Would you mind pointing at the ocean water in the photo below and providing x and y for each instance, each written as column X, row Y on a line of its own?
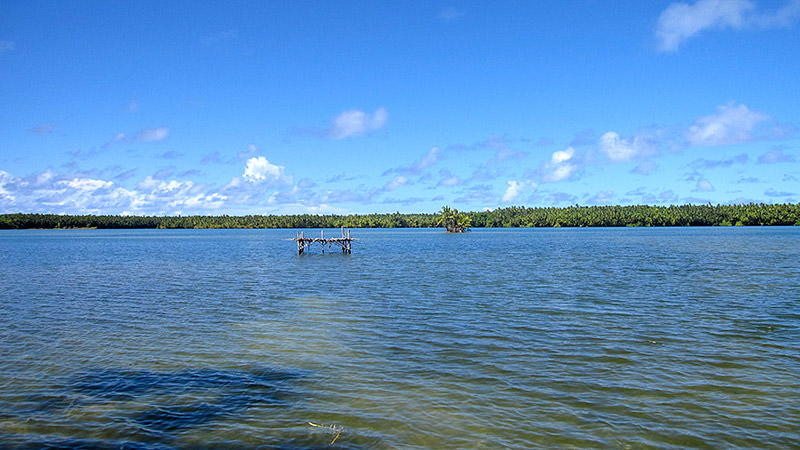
column 634, row 337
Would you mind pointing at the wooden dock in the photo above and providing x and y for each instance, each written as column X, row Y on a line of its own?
column 345, row 242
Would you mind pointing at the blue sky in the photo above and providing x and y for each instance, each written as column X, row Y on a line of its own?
column 151, row 107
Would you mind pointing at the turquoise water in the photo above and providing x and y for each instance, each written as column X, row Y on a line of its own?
column 671, row 337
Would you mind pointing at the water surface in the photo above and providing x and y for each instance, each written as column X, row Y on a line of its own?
column 670, row 337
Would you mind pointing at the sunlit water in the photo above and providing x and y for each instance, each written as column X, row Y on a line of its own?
column 496, row 338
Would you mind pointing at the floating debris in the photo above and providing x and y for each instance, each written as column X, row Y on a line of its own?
column 333, row 428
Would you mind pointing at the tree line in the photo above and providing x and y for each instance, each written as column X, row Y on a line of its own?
column 752, row 214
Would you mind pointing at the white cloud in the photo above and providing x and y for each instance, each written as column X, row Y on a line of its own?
column 356, row 123
column 86, row 184
column 645, row 167
column 152, row 134
column 703, row 185
column 732, row 124
column 601, row 198
column 447, row 179
column 515, row 188
column 58, row 193
column 619, row 150
column 259, row 169
column 42, row 128
column 396, row 183
column 775, row 156
column 780, row 18
column 428, row 159
column 681, row 21
column 6, row 199
column 560, row 167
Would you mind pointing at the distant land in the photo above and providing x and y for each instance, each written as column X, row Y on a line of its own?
column 753, row 214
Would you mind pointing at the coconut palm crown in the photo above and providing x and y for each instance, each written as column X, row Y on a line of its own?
column 453, row 221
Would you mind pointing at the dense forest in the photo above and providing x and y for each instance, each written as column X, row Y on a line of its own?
column 516, row 216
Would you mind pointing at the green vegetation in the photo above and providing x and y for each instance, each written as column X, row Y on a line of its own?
column 453, row 221
column 573, row 216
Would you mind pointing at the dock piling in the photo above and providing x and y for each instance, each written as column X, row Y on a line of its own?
column 345, row 242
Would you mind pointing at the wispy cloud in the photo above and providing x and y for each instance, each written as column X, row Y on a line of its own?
column 171, row 154
column 395, row 183
column 146, row 135
column 703, row 185
column 450, row 14
column 152, row 134
column 447, row 179
column 356, row 123
column 601, row 198
column 428, row 159
column 42, row 128
column 645, row 167
column 732, row 124
column 775, row 193
column 702, row 163
column 681, row 21
column 776, row 156
column 584, row 137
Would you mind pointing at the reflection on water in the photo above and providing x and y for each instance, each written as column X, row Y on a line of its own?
column 499, row 338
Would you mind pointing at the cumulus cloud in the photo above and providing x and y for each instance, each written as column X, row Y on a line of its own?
column 732, row 124
column 446, row 178
column 618, row 149
column 515, row 188
column 159, row 194
column 6, row 198
column 775, row 156
column 259, row 169
column 561, row 166
column 681, row 21
column 356, row 123
column 396, row 183
column 703, row 185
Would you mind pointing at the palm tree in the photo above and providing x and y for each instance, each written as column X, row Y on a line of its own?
column 453, row 221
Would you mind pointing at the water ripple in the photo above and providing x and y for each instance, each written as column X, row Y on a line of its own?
column 500, row 338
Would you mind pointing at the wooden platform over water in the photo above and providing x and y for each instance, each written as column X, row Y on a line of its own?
column 345, row 242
